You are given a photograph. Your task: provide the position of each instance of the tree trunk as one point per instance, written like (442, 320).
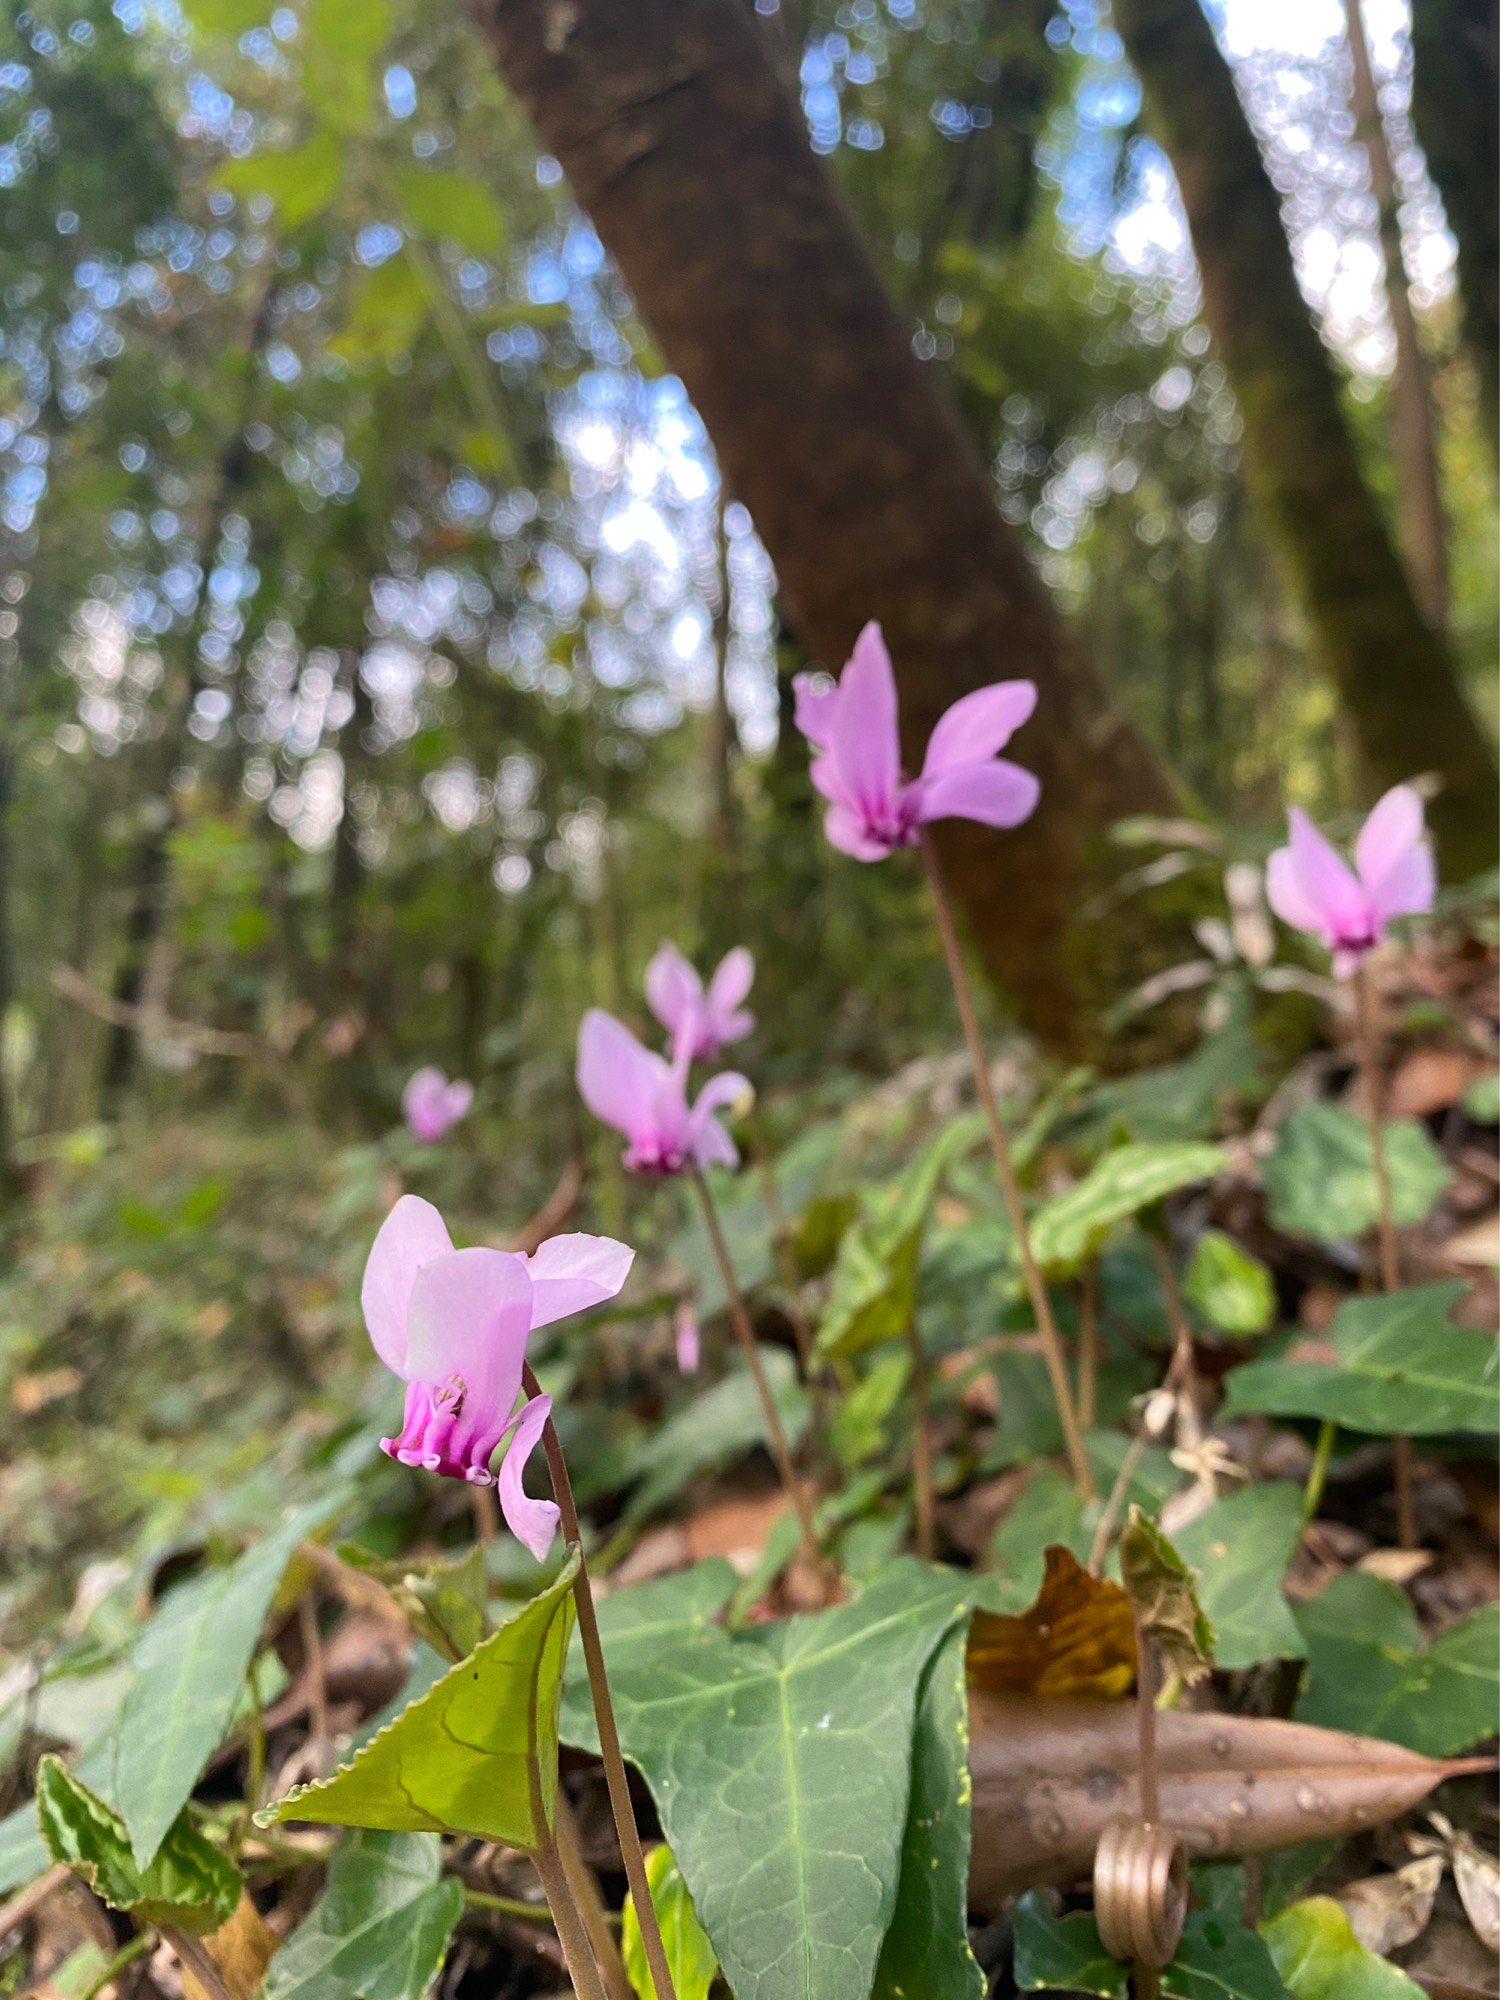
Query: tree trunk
(1455, 101)
(1419, 504)
(1394, 675)
(872, 503)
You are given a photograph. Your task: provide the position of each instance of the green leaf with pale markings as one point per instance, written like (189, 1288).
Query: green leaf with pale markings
(1220, 1958)
(1240, 1547)
(476, 1754)
(779, 1758)
(1404, 1369)
(379, 1931)
(1368, 1671)
(1232, 1289)
(1067, 1230)
(926, 1954)
(1320, 1181)
(188, 1882)
(190, 1662)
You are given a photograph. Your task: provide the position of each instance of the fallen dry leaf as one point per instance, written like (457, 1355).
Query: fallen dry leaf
(1049, 1774)
(1387, 1911)
(1477, 1245)
(1478, 1877)
(31, 1393)
(1160, 1587)
(1396, 1565)
(1077, 1639)
(1429, 1080)
(241, 1949)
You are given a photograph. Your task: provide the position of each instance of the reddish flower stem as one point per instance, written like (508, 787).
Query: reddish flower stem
(926, 1505)
(604, 1714)
(1036, 1285)
(1390, 1262)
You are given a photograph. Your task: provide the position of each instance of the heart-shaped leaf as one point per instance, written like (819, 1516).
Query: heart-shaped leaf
(780, 1761)
(1068, 1230)
(1232, 1289)
(1368, 1670)
(1063, 1954)
(1320, 1181)
(1403, 1369)
(476, 1754)
(188, 1882)
(301, 182)
(1240, 1547)
(456, 205)
(445, 1601)
(379, 1931)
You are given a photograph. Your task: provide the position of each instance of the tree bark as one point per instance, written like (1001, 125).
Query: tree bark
(679, 141)
(1394, 675)
(1455, 101)
(1419, 504)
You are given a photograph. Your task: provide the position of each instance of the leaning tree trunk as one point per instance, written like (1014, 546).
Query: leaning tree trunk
(1394, 675)
(1455, 101)
(695, 167)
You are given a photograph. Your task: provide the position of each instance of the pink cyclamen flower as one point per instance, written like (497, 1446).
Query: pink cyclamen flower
(453, 1324)
(430, 1104)
(644, 1096)
(685, 1331)
(1311, 887)
(872, 809)
(704, 1021)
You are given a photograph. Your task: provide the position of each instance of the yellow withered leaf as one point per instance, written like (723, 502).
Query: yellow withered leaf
(1077, 1639)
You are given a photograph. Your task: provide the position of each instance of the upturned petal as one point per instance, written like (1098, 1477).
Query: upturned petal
(1327, 880)
(674, 992)
(686, 1337)
(1408, 888)
(728, 987)
(619, 1080)
(458, 1101)
(978, 725)
(411, 1236)
(571, 1273)
(1392, 832)
(815, 710)
(998, 793)
(1286, 895)
(532, 1522)
(864, 742)
(710, 1144)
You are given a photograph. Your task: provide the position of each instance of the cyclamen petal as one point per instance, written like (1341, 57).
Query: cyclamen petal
(618, 1079)
(864, 744)
(1287, 897)
(686, 1336)
(998, 793)
(467, 1324)
(1389, 835)
(1408, 888)
(815, 709)
(430, 1104)
(411, 1236)
(651, 1108)
(674, 992)
(978, 725)
(1327, 880)
(569, 1274)
(532, 1522)
(1311, 887)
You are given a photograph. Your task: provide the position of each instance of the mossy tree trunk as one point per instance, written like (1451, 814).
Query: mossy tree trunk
(1395, 676)
(695, 167)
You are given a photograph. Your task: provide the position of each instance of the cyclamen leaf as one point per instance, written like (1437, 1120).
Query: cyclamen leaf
(476, 1754)
(1161, 1587)
(1319, 1958)
(1240, 1547)
(390, 310)
(1404, 1370)
(188, 1882)
(445, 1601)
(1218, 1958)
(780, 1762)
(190, 1663)
(1063, 1953)
(1232, 1289)
(690, 1956)
(1320, 1181)
(379, 1931)
(1368, 1670)
(1067, 1230)
(926, 1954)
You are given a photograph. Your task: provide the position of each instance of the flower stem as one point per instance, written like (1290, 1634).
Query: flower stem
(585, 1887)
(604, 1713)
(1088, 1347)
(1147, 1683)
(786, 1253)
(1114, 1505)
(192, 1956)
(739, 1318)
(1036, 1285)
(1390, 1262)
(1317, 1472)
(125, 1956)
(571, 1935)
(922, 1447)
